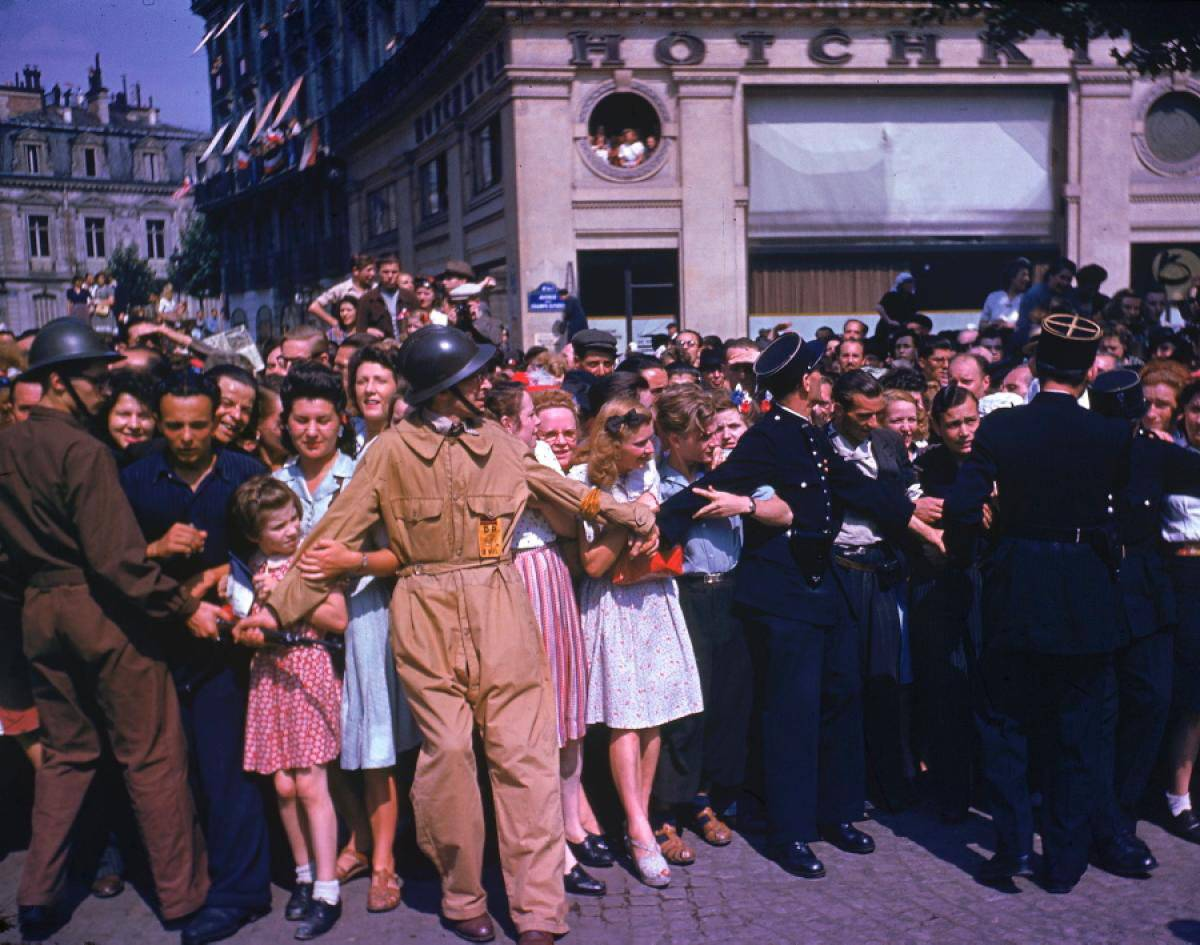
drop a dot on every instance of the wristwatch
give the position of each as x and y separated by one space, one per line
753 506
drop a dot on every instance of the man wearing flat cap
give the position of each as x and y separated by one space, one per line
595 351
1051 601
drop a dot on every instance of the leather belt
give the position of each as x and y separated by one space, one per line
699 577
433 568
854 565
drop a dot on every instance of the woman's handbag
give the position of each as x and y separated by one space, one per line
630 570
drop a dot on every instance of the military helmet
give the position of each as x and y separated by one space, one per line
66 341
436 357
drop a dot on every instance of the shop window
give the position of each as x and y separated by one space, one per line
1173 128
624 131
39 237
434 200
485 152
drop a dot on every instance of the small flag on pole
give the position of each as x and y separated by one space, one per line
184 189
308 157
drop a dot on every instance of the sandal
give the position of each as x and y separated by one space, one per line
674 848
712 828
359 865
384 894
652 868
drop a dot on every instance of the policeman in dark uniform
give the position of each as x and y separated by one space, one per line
802 638
1136 710
1051 600
68 536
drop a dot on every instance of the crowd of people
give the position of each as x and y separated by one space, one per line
789 581
627 149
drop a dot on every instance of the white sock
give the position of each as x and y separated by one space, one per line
327 891
304 873
1178 803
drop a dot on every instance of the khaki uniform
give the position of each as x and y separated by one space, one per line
467 648
69 536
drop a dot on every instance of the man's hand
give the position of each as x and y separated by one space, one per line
648 499
935 536
203 623
929 510
721 504
248 631
180 539
328 559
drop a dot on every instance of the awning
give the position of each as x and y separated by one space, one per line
213 144
237 133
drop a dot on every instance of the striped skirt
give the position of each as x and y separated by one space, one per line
553 598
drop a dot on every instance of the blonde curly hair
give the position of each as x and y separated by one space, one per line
616 422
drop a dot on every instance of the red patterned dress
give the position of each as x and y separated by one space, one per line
294 713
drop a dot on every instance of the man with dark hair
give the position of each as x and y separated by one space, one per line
851 356
383 310
26 394
651 369
935 359
595 351
904 348
71 541
803 642
362 278
868 568
1051 601
687 346
854 329
1053 292
180 495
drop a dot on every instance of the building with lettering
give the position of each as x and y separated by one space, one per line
80 174
737 164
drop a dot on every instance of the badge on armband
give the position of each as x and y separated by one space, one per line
491 540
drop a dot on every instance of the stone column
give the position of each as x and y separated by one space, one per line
712 242
1102 136
537 183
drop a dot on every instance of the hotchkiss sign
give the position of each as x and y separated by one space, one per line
829 47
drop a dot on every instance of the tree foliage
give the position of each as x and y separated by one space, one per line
1163 35
134 277
195 267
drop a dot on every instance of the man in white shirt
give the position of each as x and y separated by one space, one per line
362 278
631 152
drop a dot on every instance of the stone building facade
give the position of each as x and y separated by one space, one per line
81 174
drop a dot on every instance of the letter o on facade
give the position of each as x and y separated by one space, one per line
664 50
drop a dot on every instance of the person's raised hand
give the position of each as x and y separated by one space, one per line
720 504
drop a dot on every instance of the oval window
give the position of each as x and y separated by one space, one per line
1173 128
624 130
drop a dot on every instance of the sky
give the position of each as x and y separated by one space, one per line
149 41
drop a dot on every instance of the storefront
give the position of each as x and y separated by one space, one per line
732 166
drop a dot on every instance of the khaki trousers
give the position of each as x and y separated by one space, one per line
469 654
84 665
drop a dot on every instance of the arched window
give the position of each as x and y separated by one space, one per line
624 131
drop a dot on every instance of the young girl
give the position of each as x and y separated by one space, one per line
643 671
292 720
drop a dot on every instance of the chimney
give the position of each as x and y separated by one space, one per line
97 94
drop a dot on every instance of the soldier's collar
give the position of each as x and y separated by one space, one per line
427 431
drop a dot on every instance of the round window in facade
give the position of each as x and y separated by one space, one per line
624 137
1173 128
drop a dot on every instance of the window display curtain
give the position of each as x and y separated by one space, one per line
895 163
790 287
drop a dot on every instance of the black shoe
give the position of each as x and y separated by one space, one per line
299 902
37 922
799 860
1122 856
1058 887
579 883
320 919
847 837
1185 825
592 851
213 923
1003 867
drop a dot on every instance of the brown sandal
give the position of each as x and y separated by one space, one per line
674 848
384 894
712 828
359 865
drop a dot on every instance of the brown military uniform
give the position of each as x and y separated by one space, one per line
69 535
467 648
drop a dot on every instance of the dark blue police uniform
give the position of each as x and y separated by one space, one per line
1051 609
802 638
212 678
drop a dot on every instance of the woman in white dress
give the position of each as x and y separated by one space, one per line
642 669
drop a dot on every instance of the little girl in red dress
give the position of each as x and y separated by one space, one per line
294 712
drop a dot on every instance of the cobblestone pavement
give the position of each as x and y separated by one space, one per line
915 888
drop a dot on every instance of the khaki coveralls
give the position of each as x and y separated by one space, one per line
467 648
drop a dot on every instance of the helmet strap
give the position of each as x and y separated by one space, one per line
458 395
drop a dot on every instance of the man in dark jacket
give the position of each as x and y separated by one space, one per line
1051 602
70 538
383 311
